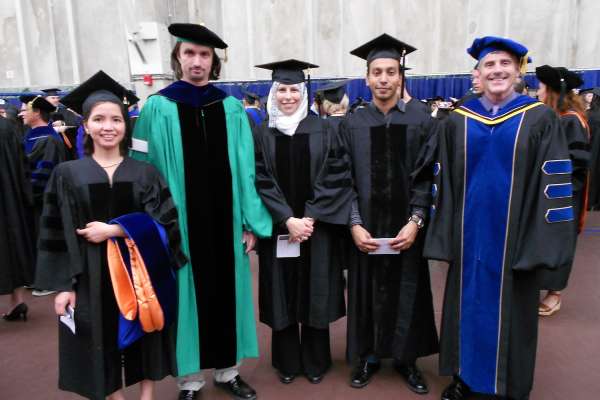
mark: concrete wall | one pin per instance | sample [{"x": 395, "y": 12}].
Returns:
[{"x": 62, "y": 42}]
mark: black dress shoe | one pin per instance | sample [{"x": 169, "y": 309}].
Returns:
[
  {"x": 362, "y": 374},
  {"x": 187, "y": 394},
  {"x": 17, "y": 313},
  {"x": 238, "y": 389},
  {"x": 457, "y": 390},
  {"x": 314, "y": 379},
  {"x": 285, "y": 378},
  {"x": 413, "y": 377}
]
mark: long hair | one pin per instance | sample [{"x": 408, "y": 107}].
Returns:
[
  {"x": 88, "y": 143},
  {"x": 336, "y": 108},
  {"x": 215, "y": 68},
  {"x": 571, "y": 101}
]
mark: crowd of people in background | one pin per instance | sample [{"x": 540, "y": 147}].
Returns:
[{"x": 143, "y": 230}]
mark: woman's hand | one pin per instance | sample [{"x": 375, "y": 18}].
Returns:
[
  {"x": 98, "y": 232},
  {"x": 300, "y": 229},
  {"x": 250, "y": 239},
  {"x": 62, "y": 300}
]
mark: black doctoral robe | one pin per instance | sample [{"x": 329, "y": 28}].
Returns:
[
  {"x": 594, "y": 194},
  {"x": 390, "y": 308},
  {"x": 16, "y": 202},
  {"x": 502, "y": 211},
  {"x": 79, "y": 192},
  {"x": 304, "y": 175}
]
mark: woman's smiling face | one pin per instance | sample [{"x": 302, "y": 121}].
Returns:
[{"x": 288, "y": 98}]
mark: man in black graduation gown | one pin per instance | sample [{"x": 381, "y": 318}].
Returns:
[
  {"x": 502, "y": 210},
  {"x": 64, "y": 121},
  {"x": 390, "y": 310}
]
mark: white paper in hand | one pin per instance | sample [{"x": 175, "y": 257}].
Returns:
[
  {"x": 69, "y": 319},
  {"x": 384, "y": 247},
  {"x": 285, "y": 249}
]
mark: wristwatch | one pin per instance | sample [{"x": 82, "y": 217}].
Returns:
[{"x": 417, "y": 220}]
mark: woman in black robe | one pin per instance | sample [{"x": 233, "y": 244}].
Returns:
[
  {"x": 81, "y": 197},
  {"x": 570, "y": 110},
  {"x": 304, "y": 180},
  {"x": 16, "y": 202}
]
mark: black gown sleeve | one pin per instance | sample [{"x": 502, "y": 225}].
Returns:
[
  {"x": 266, "y": 184},
  {"x": 437, "y": 161},
  {"x": 59, "y": 259},
  {"x": 333, "y": 193},
  {"x": 158, "y": 204},
  {"x": 578, "y": 140},
  {"x": 421, "y": 176},
  {"x": 45, "y": 156},
  {"x": 345, "y": 140},
  {"x": 546, "y": 236}
]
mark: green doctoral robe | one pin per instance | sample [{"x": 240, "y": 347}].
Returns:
[{"x": 159, "y": 128}]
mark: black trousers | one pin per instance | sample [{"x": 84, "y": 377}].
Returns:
[{"x": 301, "y": 349}]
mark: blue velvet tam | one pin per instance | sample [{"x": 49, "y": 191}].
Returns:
[{"x": 481, "y": 47}]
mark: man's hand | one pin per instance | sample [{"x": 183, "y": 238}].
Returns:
[
  {"x": 250, "y": 240},
  {"x": 62, "y": 300},
  {"x": 406, "y": 237},
  {"x": 363, "y": 240},
  {"x": 300, "y": 229},
  {"x": 98, "y": 232}
]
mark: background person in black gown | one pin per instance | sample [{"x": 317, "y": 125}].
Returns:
[{"x": 556, "y": 91}]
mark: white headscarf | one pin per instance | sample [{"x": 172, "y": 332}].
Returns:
[{"x": 287, "y": 124}]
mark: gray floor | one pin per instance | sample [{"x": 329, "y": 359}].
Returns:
[{"x": 567, "y": 365}]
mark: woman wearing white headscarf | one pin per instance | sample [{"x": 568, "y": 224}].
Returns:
[{"x": 303, "y": 178}]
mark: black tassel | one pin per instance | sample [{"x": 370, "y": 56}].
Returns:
[{"x": 402, "y": 68}]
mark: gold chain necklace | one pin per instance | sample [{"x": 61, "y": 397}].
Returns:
[{"x": 111, "y": 165}]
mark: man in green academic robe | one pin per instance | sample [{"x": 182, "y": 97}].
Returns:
[{"x": 200, "y": 140}]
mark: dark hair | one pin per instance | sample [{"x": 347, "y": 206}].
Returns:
[
  {"x": 44, "y": 115},
  {"x": 88, "y": 143},
  {"x": 215, "y": 68},
  {"x": 595, "y": 103}
]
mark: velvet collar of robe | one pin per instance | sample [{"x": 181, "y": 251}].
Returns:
[
  {"x": 195, "y": 96},
  {"x": 475, "y": 106},
  {"x": 36, "y": 133}
]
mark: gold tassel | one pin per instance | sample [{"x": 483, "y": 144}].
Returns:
[{"x": 523, "y": 66}]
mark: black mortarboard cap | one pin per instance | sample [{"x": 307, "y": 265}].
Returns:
[
  {"x": 250, "y": 97},
  {"x": 383, "y": 46},
  {"x": 37, "y": 102},
  {"x": 51, "y": 92},
  {"x": 435, "y": 98},
  {"x": 334, "y": 92},
  {"x": 197, "y": 34},
  {"x": 595, "y": 90},
  {"x": 554, "y": 77},
  {"x": 288, "y": 71},
  {"x": 100, "y": 87}
]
